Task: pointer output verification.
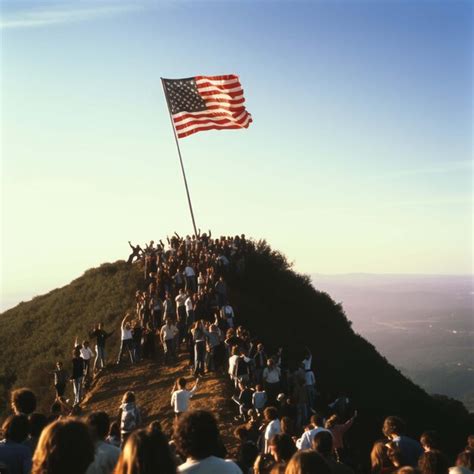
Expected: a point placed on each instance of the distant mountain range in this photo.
(423, 324)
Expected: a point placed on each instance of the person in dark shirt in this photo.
(410, 450)
(13, 453)
(244, 400)
(60, 379)
(135, 252)
(137, 333)
(77, 374)
(100, 336)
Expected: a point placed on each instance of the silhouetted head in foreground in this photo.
(23, 400)
(196, 434)
(393, 426)
(64, 446)
(146, 452)
(307, 462)
(433, 462)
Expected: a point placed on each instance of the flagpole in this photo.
(180, 160)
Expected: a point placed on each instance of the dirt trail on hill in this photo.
(152, 384)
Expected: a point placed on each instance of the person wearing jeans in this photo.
(77, 374)
(100, 336)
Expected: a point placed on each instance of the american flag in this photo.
(206, 103)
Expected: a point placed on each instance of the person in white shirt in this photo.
(126, 339)
(271, 379)
(227, 312)
(87, 354)
(190, 276)
(180, 396)
(270, 416)
(232, 363)
(168, 335)
(197, 437)
(259, 398)
(189, 305)
(306, 440)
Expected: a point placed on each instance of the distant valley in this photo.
(423, 324)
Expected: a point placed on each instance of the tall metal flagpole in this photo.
(180, 159)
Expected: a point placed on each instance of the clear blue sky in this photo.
(358, 160)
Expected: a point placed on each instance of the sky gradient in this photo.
(358, 160)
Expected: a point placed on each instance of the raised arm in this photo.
(195, 386)
(124, 320)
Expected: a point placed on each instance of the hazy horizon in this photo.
(11, 300)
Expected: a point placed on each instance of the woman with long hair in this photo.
(65, 446)
(379, 459)
(307, 462)
(146, 452)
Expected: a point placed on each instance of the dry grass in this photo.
(152, 384)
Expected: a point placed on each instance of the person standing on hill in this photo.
(77, 374)
(129, 416)
(181, 311)
(168, 335)
(87, 354)
(271, 378)
(100, 336)
(180, 396)
(169, 309)
(60, 379)
(221, 291)
(135, 252)
(227, 312)
(126, 339)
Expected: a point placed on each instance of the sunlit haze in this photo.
(358, 159)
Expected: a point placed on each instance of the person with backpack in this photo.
(129, 416)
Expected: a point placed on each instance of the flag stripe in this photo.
(221, 121)
(210, 127)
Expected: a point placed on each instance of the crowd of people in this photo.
(184, 310)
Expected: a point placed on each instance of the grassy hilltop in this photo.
(275, 303)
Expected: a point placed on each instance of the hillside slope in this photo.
(280, 307)
(37, 333)
(152, 384)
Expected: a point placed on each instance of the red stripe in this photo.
(231, 108)
(227, 77)
(221, 121)
(210, 127)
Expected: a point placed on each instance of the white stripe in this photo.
(215, 88)
(198, 125)
(219, 82)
